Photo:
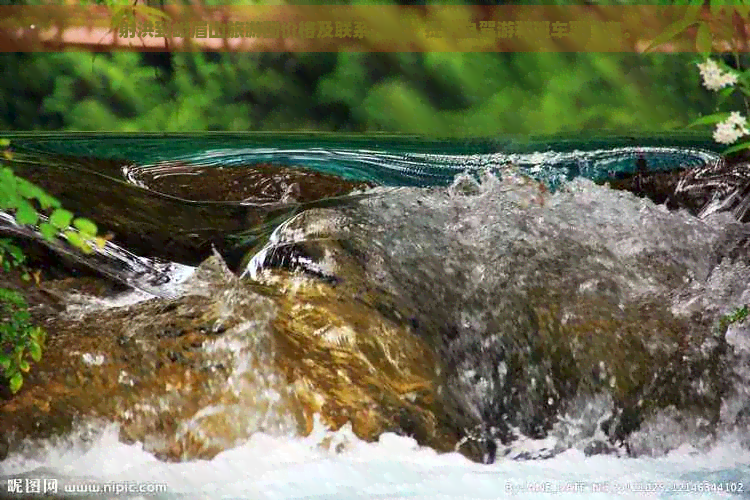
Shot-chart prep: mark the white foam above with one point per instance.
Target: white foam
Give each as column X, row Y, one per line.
column 395, row 467
column 78, row 305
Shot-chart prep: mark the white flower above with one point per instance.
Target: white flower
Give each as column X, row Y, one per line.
column 714, row 78
column 731, row 129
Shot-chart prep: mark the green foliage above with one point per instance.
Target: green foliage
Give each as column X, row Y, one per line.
column 737, row 147
column 10, row 255
column 704, row 39
column 450, row 94
column 718, row 75
column 433, row 93
column 20, row 340
column 736, row 316
column 25, row 200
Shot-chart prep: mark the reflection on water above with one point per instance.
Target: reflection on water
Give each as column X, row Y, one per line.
column 254, row 184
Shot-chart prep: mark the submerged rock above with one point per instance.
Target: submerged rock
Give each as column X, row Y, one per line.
column 723, row 186
column 200, row 374
column 481, row 317
column 177, row 212
column 533, row 302
column 258, row 184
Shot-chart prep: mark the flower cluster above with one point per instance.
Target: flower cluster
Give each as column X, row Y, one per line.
column 731, row 129
column 714, row 78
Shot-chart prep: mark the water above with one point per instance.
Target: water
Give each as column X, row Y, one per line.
column 383, row 159
column 460, row 252
column 476, row 267
column 144, row 178
column 394, row 468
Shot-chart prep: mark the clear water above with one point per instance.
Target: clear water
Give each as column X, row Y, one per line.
column 387, row 160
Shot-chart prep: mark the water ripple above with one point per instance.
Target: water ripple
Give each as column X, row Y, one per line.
column 425, row 169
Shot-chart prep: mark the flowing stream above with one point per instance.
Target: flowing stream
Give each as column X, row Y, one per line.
column 574, row 325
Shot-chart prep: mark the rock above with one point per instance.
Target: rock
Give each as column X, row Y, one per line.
column 200, row 374
column 724, row 187
column 466, row 319
column 598, row 448
column 529, row 306
column 158, row 214
column 251, row 184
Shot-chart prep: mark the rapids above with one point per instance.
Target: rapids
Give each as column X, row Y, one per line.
column 544, row 315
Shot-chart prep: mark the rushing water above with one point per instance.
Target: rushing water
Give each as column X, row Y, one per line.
column 146, row 189
column 461, row 243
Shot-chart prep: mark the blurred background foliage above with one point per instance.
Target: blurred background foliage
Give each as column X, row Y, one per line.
column 433, row 93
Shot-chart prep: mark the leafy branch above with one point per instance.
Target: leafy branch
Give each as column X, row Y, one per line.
column 20, row 340
column 704, row 35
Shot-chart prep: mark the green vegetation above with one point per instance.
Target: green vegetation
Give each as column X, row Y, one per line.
column 430, row 93
column 438, row 94
column 20, row 340
column 737, row 316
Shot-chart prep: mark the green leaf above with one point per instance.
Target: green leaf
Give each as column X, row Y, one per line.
column 4, row 361
column 24, row 366
column 738, row 147
column 8, row 189
column 32, row 191
column 4, row 143
column 726, row 92
column 38, row 335
column 75, row 239
column 27, row 189
column 744, row 82
column 16, row 381
column 26, row 214
column 674, row 29
column 11, row 297
column 35, row 350
column 121, row 15
column 48, row 231
column 723, row 65
column 47, row 201
column 703, row 40
column 710, row 119
column 15, row 252
column 61, row 218
column 87, row 227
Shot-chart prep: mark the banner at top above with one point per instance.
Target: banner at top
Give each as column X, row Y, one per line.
column 381, row 28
